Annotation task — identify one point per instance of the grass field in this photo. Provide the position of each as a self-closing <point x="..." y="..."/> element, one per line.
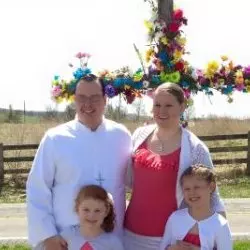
<point x="232" y="179"/>
<point x="239" y="245"/>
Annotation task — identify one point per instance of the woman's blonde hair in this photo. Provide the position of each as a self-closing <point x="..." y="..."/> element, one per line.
<point x="173" y="89"/>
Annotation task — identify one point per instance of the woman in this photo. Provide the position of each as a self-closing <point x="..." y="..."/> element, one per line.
<point x="162" y="152"/>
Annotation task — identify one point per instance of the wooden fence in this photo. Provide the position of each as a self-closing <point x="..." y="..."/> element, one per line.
<point x="219" y="149"/>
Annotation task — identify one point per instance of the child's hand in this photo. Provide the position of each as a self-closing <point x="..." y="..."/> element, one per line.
<point x="55" y="243"/>
<point x="181" y="245"/>
<point x="186" y="246"/>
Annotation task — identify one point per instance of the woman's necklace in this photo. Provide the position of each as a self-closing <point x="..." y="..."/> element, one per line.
<point x="159" y="147"/>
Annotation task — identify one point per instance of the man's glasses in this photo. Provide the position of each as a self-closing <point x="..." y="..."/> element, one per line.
<point x="93" y="99"/>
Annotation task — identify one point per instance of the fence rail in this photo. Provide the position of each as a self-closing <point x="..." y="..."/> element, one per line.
<point x="229" y="149"/>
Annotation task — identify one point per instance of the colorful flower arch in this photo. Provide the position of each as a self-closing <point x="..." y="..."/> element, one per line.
<point x="163" y="62"/>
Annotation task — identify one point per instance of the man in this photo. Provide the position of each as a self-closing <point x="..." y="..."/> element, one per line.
<point x="87" y="150"/>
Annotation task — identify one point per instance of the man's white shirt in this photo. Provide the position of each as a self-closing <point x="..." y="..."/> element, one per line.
<point x="70" y="156"/>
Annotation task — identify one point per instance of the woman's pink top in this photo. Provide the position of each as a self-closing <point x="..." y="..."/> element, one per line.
<point x="154" y="191"/>
<point x="193" y="239"/>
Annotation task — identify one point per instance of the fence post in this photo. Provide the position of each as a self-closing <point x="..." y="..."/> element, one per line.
<point x="248" y="153"/>
<point x="1" y="167"/>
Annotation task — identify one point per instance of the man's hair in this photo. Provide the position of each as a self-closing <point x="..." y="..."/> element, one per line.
<point x="92" y="78"/>
<point x="98" y="193"/>
<point x="201" y="171"/>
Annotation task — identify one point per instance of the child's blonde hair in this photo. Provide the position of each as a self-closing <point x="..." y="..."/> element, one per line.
<point x="200" y="171"/>
<point x="98" y="193"/>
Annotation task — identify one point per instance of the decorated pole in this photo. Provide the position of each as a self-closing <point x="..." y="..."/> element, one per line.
<point x="163" y="61"/>
<point x="165" y="10"/>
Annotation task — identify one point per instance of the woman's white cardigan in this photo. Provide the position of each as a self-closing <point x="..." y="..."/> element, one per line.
<point x="193" y="151"/>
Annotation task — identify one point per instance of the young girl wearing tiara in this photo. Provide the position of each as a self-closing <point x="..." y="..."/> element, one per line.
<point x="95" y="209"/>
<point x="197" y="227"/>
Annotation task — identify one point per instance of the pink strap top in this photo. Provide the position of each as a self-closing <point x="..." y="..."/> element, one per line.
<point x="154" y="191"/>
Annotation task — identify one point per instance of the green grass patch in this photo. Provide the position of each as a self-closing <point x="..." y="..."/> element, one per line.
<point x="242" y="245"/>
<point x="229" y="188"/>
<point x="235" y="188"/>
<point x="15" y="247"/>
<point x="12" y="194"/>
<point x="238" y="245"/>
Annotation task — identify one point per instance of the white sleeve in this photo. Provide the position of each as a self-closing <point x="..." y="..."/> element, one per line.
<point x="167" y="236"/>
<point x="41" y="222"/>
<point x="202" y="156"/>
<point x="224" y="238"/>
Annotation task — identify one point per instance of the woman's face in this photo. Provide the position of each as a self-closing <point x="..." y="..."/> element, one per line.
<point x="166" y="109"/>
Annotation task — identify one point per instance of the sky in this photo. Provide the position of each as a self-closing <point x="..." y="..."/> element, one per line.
<point x="40" y="37"/>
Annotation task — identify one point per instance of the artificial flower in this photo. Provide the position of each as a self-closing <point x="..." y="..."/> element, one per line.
<point x="149" y="54"/>
<point x="174" y="27"/>
<point x="178" y="14"/>
<point x="177" y="55"/>
<point x="179" y="66"/>
<point x="212" y="67"/>
<point x="224" y="58"/>
<point x="164" y="40"/>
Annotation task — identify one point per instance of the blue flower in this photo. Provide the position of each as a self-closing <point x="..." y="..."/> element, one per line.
<point x="227" y="90"/>
<point x="110" y="91"/>
<point x="155" y="79"/>
<point x="163" y="57"/>
<point x="119" y="82"/>
<point x="79" y="73"/>
<point x="185" y="84"/>
<point x="56" y="77"/>
<point x="138" y="85"/>
<point x="86" y="71"/>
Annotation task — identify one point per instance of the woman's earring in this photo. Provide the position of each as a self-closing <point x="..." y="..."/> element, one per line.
<point x="183" y="120"/>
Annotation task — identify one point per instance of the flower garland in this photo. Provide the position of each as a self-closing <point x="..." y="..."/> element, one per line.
<point x="164" y="63"/>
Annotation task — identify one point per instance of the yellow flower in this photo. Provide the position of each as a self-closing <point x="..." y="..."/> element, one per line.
<point x="127" y="87"/>
<point x="239" y="77"/>
<point x="212" y="67"/>
<point x="55" y="82"/>
<point x="224" y="58"/>
<point x="137" y="77"/>
<point x="164" y="40"/>
<point x="181" y="40"/>
<point x="177" y="55"/>
<point x="59" y="99"/>
<point x="248" y="88"/>
<point x="149" y="26"/>
<point x="239" y="74"/>
<point x="149" y="54"/>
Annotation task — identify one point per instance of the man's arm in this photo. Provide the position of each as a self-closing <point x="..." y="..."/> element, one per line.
<point x="41" y="223"/>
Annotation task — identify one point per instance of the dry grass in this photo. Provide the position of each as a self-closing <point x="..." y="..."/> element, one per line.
<point x="230" y="177"/>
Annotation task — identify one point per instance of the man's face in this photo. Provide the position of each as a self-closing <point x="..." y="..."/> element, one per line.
<point x="90" y="103"/>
